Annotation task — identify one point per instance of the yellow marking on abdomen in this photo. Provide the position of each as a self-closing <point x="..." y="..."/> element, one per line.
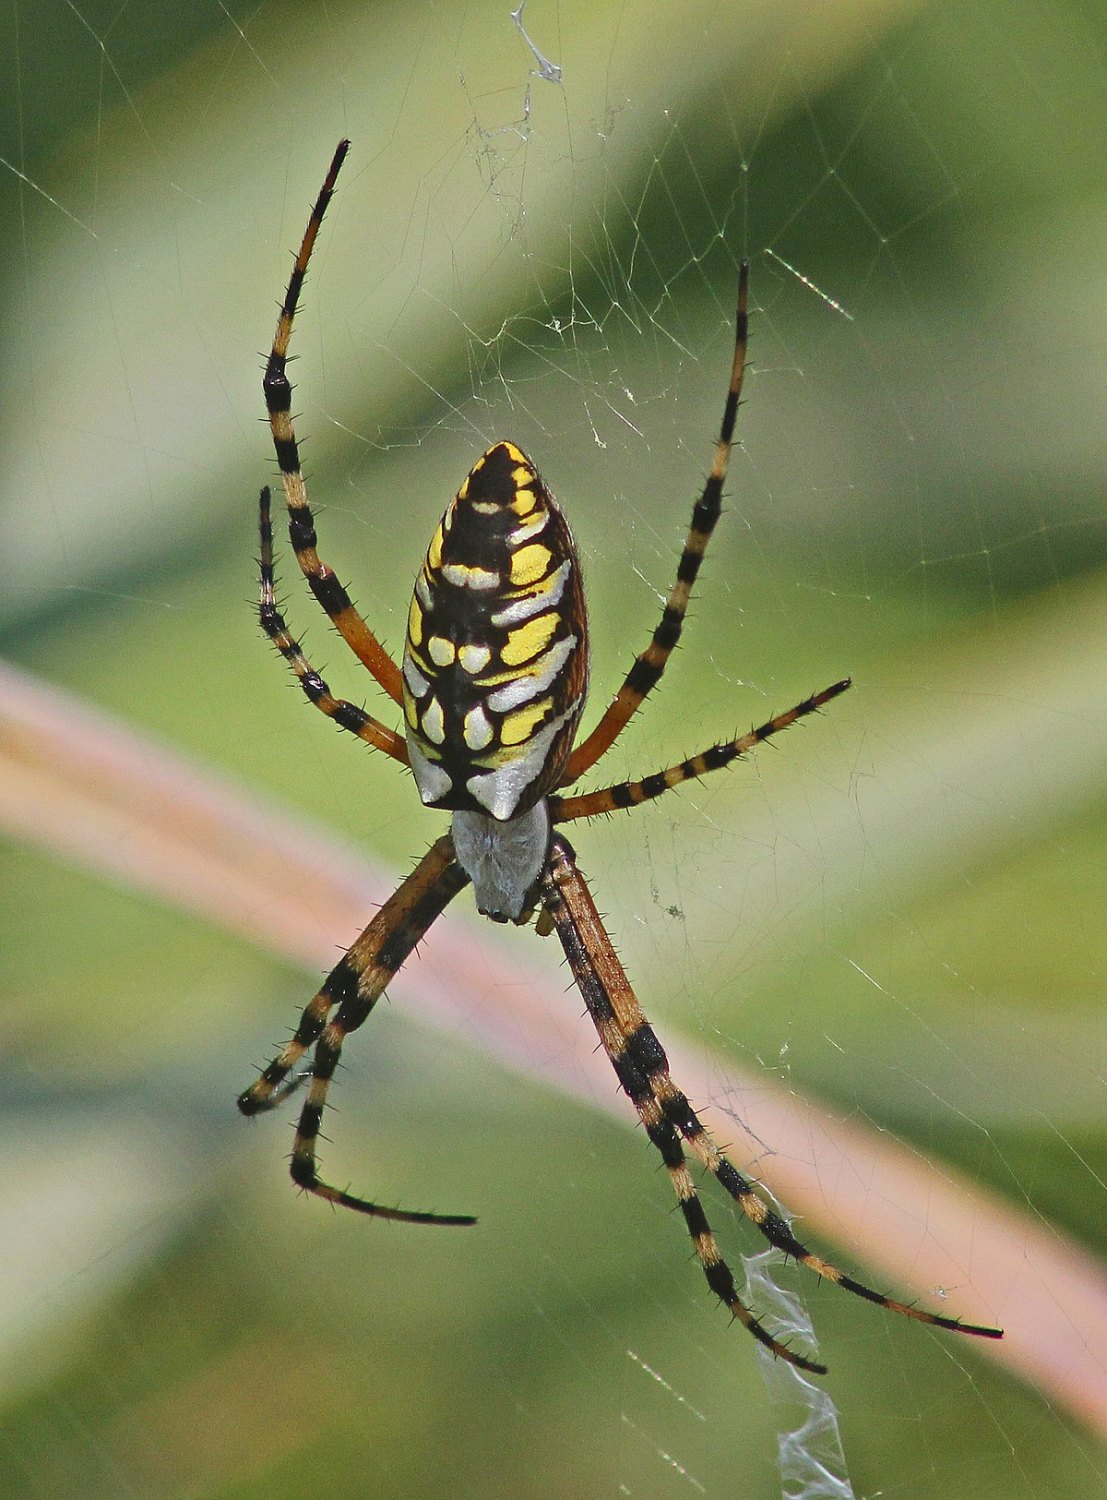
<point x="519" y="726"/>
<point x="546" y="593"/>
<point x="524" y="499"/>
<point x="415" y="622"/>
<point x="529" y="564"/>
<point x="529" y="639"/>
<point x="442" y="651"/>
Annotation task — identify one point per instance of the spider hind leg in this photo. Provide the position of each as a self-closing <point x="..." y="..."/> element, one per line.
<point x="354" y="986"/>
<point x="598" y="976"/>
<point x="677" y="1108"/>
<point x="642" y="1068"/>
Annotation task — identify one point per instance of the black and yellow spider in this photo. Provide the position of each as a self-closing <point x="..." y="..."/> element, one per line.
<point x="492" y="687"/>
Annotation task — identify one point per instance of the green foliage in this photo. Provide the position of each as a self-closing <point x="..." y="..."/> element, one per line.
<point x="918" y="503"/>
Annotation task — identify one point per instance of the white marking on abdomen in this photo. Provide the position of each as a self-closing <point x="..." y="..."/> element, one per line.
<point x="548" y="595"/>
<point x="535" y="680"/>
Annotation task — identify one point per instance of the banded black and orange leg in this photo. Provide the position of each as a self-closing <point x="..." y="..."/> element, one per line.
<point x="354" y="986"/>
<point x="646" y="672"/>
<point x="676" y="1108"/>
<point x="632" y="793"/>
<point x="607" y="994"/>
<point x="643" y="1070"/>
<point x="346" y="715"/>
<point x="324" y="585"/>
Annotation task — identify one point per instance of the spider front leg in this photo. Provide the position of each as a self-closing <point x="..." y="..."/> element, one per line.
<point x="646" y="672"/>
<point x="277" y="388"/>
<point x="354" y="985"/>
<point x="345" y="714"/>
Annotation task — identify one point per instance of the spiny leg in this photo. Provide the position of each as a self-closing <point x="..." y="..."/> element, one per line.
<point x="398" y="916"/>
<point x="599" y="977"/>
<point x="662" y="1135"/>
<point x="277" y="1080"/>
<point x="676" y="1108"/>
<point x="324" y="585"/>
<point x="354" y="985"/>
<point x="648" y="667"/>
<point x="346" y="715"/>
<point x="646" y="1067"/>
<point x="631" y="793"/>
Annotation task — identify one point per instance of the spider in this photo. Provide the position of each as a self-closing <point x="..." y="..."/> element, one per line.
<point x="492" y="686"/>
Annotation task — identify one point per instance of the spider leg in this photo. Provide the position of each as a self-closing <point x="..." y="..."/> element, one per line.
<point x="324" y="585"/>
<point x="676" y="1108"/>
<point x="346" y="715"/>
<point x="354" y="985"/>
<point x="630" y="793"/>
<point x="650" y="664"/>
<point x="606" y="990"/>
<point x="643" y="1071"/>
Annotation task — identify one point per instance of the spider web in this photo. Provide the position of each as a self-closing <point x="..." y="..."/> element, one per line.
<point x="897" y="913"/>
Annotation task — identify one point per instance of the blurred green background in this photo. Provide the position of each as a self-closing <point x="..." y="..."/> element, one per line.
<point x="900" y="910"/>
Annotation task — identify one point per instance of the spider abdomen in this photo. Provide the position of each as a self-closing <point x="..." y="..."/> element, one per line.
<point x="495" y="660"/>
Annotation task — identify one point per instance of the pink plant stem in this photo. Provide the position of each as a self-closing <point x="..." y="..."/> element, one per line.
<point x="92" y="790"/>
